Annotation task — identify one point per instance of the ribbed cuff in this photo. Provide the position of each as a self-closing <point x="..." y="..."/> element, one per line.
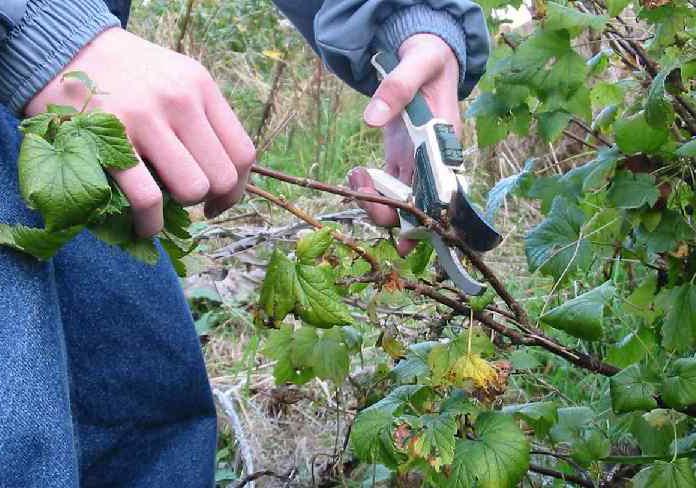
<point x="48" y="38"/>
<point x="422" y="19"/>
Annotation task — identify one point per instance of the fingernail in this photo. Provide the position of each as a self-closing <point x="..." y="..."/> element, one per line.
<point x="357" y="178"/>
<point x="377" y="112"/>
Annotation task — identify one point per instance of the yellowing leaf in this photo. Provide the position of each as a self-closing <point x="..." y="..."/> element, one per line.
<point x="273" y="54"/>
<point x="471" y="367"/>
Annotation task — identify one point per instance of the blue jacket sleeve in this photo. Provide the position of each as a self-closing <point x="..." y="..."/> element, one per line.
<point x="39" y="37"/>
<point x="343" y="32"/>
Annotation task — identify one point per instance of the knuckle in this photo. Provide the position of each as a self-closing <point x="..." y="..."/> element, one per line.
<point x="193" y="192"/>
<point x="176" y="99"/>
<point x="398" y="89"/>
<point x="223" y="184"/>
<point x="146" y="200"/>
<point x="247" y="156"/>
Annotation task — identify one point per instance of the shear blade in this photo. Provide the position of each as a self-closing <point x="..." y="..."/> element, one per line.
<point x="454" y="269"/>
<point x="470" y="225"/>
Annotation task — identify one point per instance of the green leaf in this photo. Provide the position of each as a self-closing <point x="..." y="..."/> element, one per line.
<point x="670" y="231"/>
<point x="599" y="62"/>
<point x="437" y="438"/>
<point x="415" y="365"/>
<point x="632" y="348"/>
<point x="278" y="290"/>
<point x="546" y="63"/>
<point x="582" y="316"/>
<point x="176" y="219"/>
<point x="572" y="421"/>
<point x="634" y="135"/>
<point x="605" y="117"/>
<point x="63" y="181"/>
<point x="313" y="245"/>
<point x="541" y="416"/>
<point x="279" y="342"/>
<point x="37" y="125"/>
<point x="561" y="17"/>
<point x="370" y="437"/>
<point x="508" y="186"/>
<point x="522" y="359"/>
<point x="498" y="457"/>
<point x="555" y="244"/>
<point x="679" y="388"/>
<point x="659" y="112"/>
<point x="677" y="474"/>
<point x="591" y="446"/>
<point x="109" y="135"/>
<point x="633" y="190"/>
<point x="615" y="7"/>
<point x="631" y="391"/>
<point x="552" y="124"/>
<point x="143" y="250"/>
<point x="679" y="326"/>
<point x="655" y="440"/>
<point x="606" y="93"/>
<point x="330" y="360"/>
<point x="418" y="260"/>
<point x="40" y="243"/>
<point x="83" y="78"/>
<point x="688" y="149"/>
<point x="601" y="170"/>
<point x="317" y="301"/>
<point x="55" y="109"/>
<point x="303" y="342"/>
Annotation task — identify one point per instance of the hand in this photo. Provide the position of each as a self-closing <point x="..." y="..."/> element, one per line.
<point x="429" y="65"/>
<point x="175" y="116"/>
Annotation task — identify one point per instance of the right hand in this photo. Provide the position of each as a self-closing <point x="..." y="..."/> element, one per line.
<point x="175" y="116"/>
<point x="427" y="65"/>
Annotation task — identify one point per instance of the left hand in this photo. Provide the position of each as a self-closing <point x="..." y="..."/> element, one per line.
<point x="429" y="65"/>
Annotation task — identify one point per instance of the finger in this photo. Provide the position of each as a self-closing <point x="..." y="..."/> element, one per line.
<point x="145" y="198"/>
<point x="382" y="215"/>
<point x="405" y="246"/>
<point x="175" y="166"/>
<point x="399" y="87"/>
<point x="398" y="151"/>
<point x="235" y="140"/>
<point x="202" y="142"/>
<point x="444" y="102"/>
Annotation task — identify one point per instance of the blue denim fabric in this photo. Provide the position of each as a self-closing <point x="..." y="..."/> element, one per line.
<point x="102" y="382"/>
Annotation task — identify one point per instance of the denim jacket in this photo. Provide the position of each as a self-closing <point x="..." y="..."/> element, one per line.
<point x="39" y="37"/>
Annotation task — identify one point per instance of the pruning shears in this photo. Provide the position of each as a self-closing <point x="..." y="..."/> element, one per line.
<point x="437" y="189"/>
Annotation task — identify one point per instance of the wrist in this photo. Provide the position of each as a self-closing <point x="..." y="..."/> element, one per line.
<point x="48" y="37"/>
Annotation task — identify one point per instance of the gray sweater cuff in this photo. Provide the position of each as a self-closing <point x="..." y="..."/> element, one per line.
<point x="48" y="37"/>
<point x="422" y="19"/>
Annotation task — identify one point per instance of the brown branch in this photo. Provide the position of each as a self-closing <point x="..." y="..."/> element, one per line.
<point x="301" y="214"/>
<point x="345" y="192"/>
<point x="260" y="474"/>
<point x="268" y="106"/>
<point x="179" y="45"/>
<point x="561" y="476"/>
<point x="582" y="141"/>
<point x="424" y="219"/>
<point x="530" y="336"/>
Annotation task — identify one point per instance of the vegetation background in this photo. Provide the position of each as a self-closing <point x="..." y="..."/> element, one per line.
<point x="307" y="123"/>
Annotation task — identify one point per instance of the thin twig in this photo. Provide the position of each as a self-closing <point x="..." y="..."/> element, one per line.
<point x="561" y="476"/>
<point x="301" y="214"/>
<point x="184" y="26"/>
